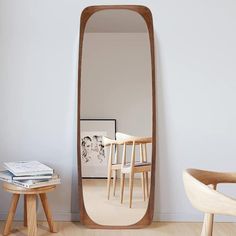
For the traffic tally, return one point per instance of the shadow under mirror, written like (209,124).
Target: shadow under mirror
(116,117)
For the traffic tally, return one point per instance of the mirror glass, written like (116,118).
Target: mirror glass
(116,117)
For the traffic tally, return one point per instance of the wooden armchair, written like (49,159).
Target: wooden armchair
(200,187)
(114,164)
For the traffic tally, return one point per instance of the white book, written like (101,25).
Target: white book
(24,168)
(38,183)
(31,177)
(6,175)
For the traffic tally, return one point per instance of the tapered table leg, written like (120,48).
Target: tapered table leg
(143,178)
(31,214)
(122,184)
(114,182)
(11,214)
(131,186)
(25,211)
(48,212)
(147,184)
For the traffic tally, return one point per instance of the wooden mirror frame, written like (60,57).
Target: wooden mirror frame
(148,216)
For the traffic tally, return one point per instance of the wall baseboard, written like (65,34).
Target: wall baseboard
(188,217)
(57,216)
(170,217)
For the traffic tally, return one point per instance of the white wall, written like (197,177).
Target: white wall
(117,83)
(116,80)
(195,47)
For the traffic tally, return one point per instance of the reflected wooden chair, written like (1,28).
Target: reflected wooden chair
(114,164)
(143,158)
(200,187)
(133,167)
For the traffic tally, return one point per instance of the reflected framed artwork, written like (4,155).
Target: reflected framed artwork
(93,157)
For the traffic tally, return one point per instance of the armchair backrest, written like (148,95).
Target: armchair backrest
(199,186)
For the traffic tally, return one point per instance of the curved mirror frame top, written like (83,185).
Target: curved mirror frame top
(145,13)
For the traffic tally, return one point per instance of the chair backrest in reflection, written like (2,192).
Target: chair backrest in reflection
(200,187)
(113,163)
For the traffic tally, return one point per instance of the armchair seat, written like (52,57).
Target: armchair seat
(137,164)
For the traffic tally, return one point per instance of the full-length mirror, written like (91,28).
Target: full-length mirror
(116,117)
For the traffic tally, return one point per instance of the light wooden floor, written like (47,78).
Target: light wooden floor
(112,212)
(156,229)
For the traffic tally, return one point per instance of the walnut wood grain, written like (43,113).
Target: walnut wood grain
(147,16)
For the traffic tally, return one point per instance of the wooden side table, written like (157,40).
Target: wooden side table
(30,217)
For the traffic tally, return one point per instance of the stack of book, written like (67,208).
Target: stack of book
(29,174)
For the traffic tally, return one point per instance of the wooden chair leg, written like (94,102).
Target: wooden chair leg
(131,185)
(25,211)
(109,183)
(147,184)
(142,174)
(31,214)
(143,178)
(114,182)
(207,227)
(11,214)
(109,172)
(48,213)
(146,173)
(122,183)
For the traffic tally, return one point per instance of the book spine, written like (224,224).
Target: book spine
(45,184)
(6,180)
(32,177)
(24,185)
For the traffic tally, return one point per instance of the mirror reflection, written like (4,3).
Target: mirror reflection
(116,112)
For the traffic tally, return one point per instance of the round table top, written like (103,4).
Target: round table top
(21,190)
